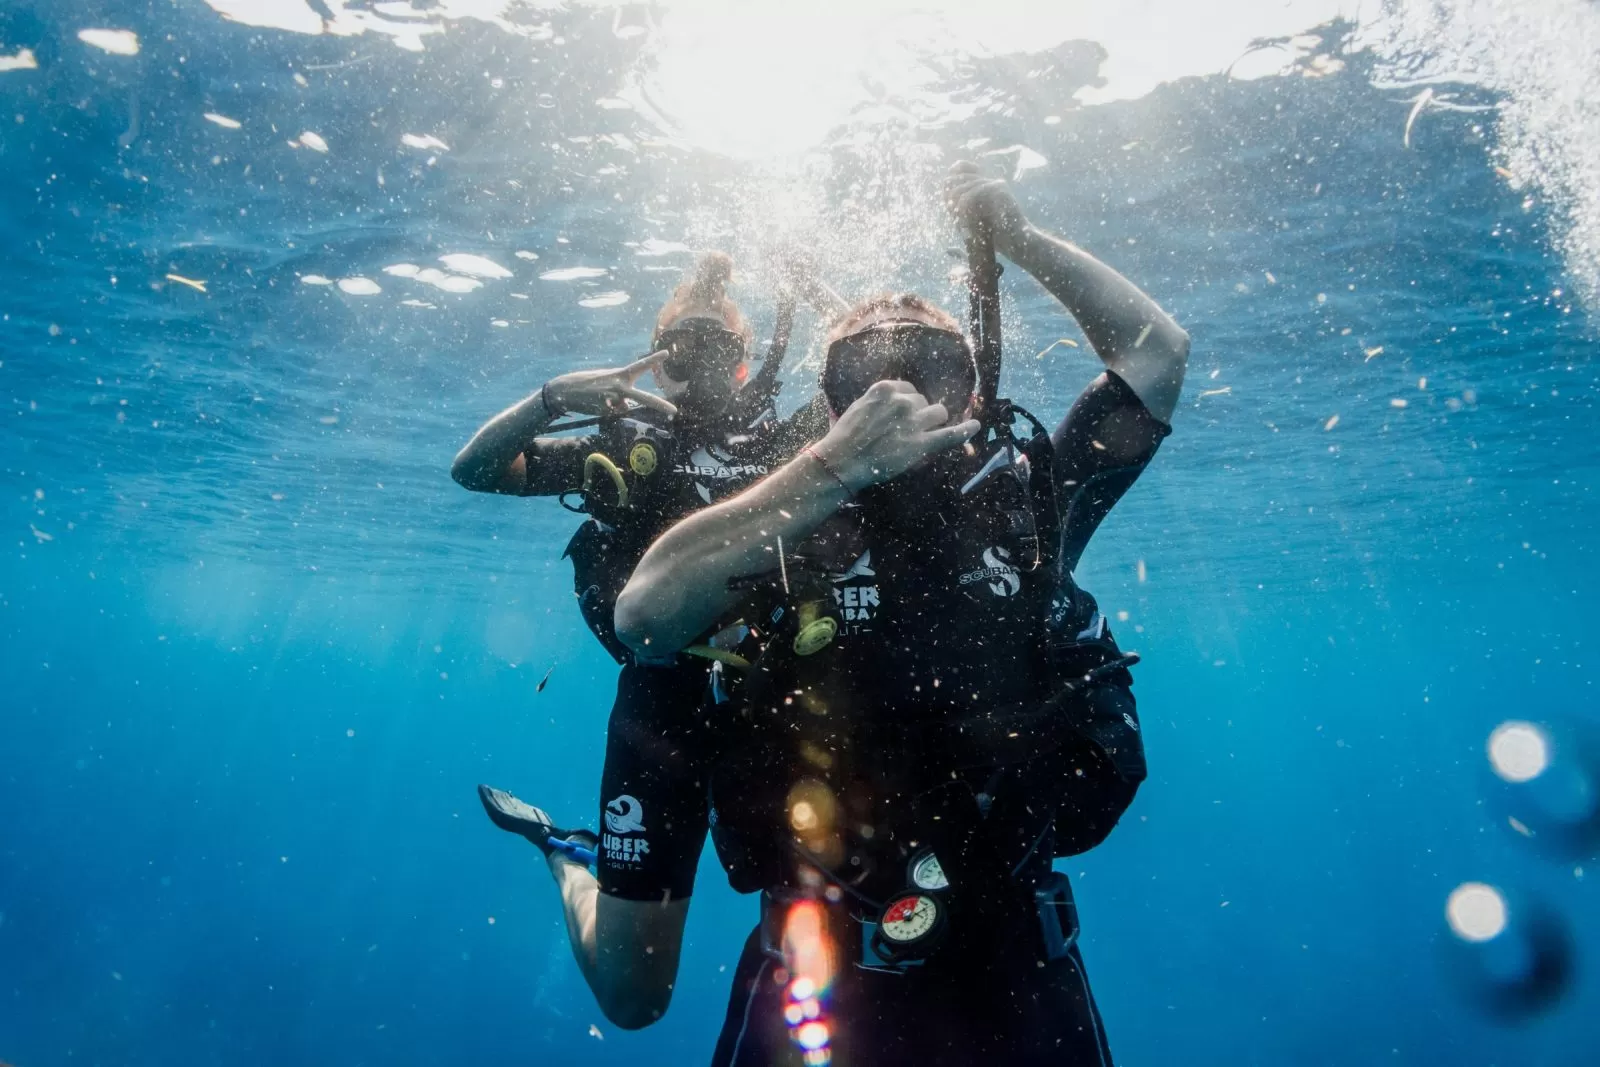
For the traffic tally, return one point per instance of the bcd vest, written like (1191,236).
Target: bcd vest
(645,477)
(906,650)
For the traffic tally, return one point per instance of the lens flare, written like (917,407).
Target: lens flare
(807,951)
(813,811)
(812,1036)
(1476,912)
(803,816)
(1547,783)
(808,957)
(1511,955)
(1519,751)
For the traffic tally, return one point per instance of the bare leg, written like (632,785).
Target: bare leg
(627,950)
(580,893)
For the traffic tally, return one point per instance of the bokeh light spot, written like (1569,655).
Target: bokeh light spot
(812,1036)
(1476,912)
(1519,751)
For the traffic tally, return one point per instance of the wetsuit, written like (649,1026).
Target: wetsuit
(941,621)
(657,750)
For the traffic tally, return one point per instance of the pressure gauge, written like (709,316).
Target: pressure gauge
(910,920)
(927,874)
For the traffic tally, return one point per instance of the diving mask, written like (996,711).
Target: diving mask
(701,348)
(937,362)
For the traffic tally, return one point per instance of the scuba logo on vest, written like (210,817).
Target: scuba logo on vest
(624,816)
(1003,579)
(711,462)
(857,602)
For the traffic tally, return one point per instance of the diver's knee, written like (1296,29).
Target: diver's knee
(629,995)
(629,1010)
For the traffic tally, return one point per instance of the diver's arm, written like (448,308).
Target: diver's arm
(680,587)
(496,459)
(1130,332)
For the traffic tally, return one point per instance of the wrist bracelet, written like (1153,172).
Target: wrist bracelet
(834,474)
(544,398)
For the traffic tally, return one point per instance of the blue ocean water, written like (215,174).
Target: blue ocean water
(258,648)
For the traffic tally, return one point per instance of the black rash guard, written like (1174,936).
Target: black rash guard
(1101,447)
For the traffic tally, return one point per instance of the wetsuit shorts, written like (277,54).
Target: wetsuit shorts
(1010,1010)
(653,792)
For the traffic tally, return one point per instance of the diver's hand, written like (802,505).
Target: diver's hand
(984,204)
(602,392)
(886,432)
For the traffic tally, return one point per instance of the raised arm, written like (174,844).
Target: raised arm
(496,459)
(1128,330)
(680,587)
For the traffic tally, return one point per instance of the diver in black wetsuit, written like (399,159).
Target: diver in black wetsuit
(934,709)
(709,434)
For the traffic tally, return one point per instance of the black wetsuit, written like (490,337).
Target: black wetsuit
(657,748)
(937,623)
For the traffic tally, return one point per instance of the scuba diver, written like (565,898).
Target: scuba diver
(932,708)
(647,461)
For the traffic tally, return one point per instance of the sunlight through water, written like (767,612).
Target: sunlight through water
(274,266)
(805,71)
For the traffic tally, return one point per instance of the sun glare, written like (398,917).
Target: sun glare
(768,78)
(764,79)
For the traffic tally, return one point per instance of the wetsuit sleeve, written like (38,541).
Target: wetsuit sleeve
(1100,772)
(555,464)
(1101,447)
(655,791)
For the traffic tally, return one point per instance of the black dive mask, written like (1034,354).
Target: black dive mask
(706,356)
(937,362)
